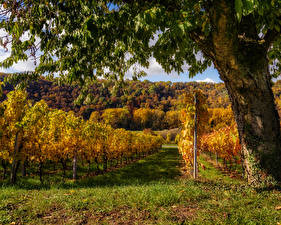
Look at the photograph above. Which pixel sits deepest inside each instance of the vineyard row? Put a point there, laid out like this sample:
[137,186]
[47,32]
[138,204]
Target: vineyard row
[35,134]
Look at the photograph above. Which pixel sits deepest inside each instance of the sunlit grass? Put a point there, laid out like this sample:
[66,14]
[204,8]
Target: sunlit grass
[150,191]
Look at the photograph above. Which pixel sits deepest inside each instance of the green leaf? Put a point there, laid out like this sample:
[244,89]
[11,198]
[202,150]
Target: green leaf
[238,9]
[248,6]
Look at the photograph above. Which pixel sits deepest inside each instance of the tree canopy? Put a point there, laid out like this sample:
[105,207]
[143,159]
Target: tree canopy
[86,39]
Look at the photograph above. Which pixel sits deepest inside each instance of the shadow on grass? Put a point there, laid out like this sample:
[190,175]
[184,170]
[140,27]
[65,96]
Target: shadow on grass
[162,166]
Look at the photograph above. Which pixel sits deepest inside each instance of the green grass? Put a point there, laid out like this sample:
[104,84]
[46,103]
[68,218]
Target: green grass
[150,191]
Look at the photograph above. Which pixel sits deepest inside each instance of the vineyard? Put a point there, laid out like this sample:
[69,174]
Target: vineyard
[42,140]
[35,135]
[216,131]
[76,171]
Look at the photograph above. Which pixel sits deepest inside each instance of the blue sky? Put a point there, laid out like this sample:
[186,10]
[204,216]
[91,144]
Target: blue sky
[209,74]
[156,73]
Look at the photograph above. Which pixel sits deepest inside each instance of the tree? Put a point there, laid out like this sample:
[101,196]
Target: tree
[15,108]
[172,119]
[116,117]
[86,39]
[142,118]
[73,139]
[35,139]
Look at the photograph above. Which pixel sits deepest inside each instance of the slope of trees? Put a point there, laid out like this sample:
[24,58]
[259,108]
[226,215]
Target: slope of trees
[162,100]
[155,95]
[136,94]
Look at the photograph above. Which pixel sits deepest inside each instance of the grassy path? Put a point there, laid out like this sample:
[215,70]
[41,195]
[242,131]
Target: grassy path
[150,191]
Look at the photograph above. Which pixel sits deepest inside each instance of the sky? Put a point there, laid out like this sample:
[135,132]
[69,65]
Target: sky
[154,72]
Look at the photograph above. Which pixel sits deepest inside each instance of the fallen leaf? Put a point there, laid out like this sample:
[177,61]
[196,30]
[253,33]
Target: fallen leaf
[278,207]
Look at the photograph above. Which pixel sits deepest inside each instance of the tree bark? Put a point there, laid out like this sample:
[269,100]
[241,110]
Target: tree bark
[240,56]
[257,120]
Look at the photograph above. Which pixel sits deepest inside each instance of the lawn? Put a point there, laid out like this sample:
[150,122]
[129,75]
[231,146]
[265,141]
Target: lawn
[150,191]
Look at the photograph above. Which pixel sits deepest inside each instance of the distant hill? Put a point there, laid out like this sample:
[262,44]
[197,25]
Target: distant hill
[139,94]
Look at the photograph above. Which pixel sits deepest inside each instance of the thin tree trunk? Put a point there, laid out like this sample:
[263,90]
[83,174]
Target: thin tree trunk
[217,161]
[74,167]
[15,159]
[104,163]
[4,165]
[40,168]
[89,167]
[63,163]
[23,168]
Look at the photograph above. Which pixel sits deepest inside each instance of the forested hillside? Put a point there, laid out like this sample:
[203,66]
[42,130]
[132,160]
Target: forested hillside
[163,96]
[136,94]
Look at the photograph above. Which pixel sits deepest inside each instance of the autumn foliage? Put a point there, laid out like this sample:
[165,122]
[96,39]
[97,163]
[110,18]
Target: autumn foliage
[45,135]
[217,132]
[186,139]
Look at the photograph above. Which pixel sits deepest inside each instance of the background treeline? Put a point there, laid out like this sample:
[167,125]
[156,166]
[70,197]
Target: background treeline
[135,94]
[139,105]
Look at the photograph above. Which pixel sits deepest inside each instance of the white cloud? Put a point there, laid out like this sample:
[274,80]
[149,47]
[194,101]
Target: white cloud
[154,69]
[21,66]
[207,80]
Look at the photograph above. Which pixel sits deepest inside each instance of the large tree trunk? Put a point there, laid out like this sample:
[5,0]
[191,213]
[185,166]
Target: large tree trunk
[241,59]
[257,120]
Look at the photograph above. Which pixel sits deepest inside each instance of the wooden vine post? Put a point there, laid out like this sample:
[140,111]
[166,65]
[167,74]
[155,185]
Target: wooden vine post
[195,169]
[195,120]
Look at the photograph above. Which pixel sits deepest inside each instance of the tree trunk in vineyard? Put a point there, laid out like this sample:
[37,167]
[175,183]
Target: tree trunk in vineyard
[74,167]
[217,161]
[40,170]
[15,159]
[4,165]
[64,167]
[258,122]
[23,168]
[241,59]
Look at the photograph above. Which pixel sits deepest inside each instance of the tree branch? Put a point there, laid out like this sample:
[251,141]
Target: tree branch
[203,42]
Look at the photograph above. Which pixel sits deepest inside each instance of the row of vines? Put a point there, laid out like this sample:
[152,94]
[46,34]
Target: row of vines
[216,131]
[34,134]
